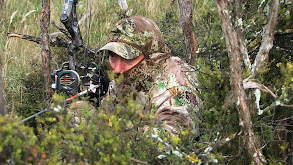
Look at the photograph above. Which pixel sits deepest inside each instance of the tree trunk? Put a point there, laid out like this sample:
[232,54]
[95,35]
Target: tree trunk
[46,54]
[185,10]
[233,47]
[268,38]
[2,100]
[243,47]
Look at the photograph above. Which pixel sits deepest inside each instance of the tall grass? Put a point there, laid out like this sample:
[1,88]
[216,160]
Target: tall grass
[17,55]
[20,58]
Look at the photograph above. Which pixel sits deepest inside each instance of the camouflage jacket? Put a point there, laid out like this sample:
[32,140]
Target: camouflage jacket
[172,96]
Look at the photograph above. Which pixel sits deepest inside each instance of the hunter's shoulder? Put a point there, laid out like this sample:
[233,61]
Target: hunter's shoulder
[179,68]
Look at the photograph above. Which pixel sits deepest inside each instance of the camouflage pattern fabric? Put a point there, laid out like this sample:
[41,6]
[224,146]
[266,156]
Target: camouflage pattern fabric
[174,97]
[134,36]
[171,97]
[122,49]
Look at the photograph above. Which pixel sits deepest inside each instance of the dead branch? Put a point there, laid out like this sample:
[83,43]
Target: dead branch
[62,29]
[25,37]
[247,84]
[59,42]
[250,83]
[90,51]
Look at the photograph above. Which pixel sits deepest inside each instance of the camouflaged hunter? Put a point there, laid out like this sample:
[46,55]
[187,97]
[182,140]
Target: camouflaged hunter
[165,82]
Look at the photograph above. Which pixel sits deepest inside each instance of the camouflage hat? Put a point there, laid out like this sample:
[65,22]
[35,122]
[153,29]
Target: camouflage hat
[122,49]
[134,36]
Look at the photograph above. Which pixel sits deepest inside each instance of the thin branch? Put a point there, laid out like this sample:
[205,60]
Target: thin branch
[247,84]
[287,118]
[59,42]
[221,142]
[62,29]
[90,51]
[275,104]
[25,37]
[138,161]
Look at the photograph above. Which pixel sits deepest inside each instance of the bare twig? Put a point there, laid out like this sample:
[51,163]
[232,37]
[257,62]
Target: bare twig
[221,142]
[90,51]
[287,118]
[62,29]
[138,161]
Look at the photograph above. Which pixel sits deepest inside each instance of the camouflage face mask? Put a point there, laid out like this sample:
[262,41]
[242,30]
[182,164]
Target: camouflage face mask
[141,77]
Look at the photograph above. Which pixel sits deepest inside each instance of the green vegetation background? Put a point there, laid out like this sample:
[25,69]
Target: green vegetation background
[105,137]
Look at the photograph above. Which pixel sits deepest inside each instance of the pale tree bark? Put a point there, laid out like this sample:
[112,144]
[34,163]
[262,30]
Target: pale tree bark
[2,100]
[45,40]
[267,42]
[185,10]
[239,30]
[254,151]
[124,8]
